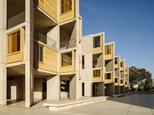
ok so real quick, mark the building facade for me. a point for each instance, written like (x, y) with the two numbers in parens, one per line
(44, 56)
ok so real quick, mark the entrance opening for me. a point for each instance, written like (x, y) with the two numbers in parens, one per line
(15, 89)
(65, 89)
(44, 88)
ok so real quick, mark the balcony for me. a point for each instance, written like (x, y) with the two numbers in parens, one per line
(98, 60)
(67, 61)
(109, 65)
(68, 35)
(108, 77)
(45, 57)
(48, 6)
(15, 45)
(97, 74)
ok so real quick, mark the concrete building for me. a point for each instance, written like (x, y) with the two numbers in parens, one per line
(92, 72)
(39, 54)
(43, 54)
(117, 75)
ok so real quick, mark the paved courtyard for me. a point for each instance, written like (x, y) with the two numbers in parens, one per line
(136, 104)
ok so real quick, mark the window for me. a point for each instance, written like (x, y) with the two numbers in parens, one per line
(108, 76)
(108, 49)
(83, 62)
(14, 42)
(40, 53)
(125, 83)
(66, 59)
(96, 41)
(66, 5)
(116, 60)
(121, 64)
(96, 73)
(116, 80)
(121, 81)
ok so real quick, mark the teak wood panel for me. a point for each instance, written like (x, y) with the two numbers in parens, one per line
(49, 6)
(109, 56)
(68, 15)
(49, 60)
(98, 78)
(16, 56)
(109, 80)
(68, 68)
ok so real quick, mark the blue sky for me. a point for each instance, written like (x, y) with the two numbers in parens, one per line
(130, 23)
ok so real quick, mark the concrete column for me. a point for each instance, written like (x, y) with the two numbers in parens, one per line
(73, 88)
(29, 11)
(101, 89)
(3, 74)
(88, 88)
(53, 88)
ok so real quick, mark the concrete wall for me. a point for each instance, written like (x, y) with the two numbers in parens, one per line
(53, 88)
(73, 88)
(15, 88)
(53, 34)
(109, 65)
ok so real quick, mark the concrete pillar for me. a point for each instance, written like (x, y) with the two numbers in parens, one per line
(88, 89)
(73, 88)
(3, 74)
(29, 11)
(53, 88)
(100, 89)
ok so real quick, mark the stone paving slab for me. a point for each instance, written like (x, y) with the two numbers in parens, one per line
(136, 104)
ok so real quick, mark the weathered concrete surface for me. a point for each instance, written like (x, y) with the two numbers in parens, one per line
(136, 104)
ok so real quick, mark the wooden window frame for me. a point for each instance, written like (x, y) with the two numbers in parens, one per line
(21, 41)
(64, 4)
(62, 59)
(94, 43)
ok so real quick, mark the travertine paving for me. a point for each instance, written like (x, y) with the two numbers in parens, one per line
(136, 104)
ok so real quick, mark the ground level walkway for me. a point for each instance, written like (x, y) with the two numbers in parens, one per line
(135, 104)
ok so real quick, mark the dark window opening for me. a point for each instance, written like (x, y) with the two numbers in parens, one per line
(96, 41)
(83, 62)
(14, 42)
(40, 53)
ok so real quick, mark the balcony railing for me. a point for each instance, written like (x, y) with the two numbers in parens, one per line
(68, 44)
(47, 40)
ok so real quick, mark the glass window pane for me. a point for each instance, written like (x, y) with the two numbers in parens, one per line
(96, 42)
